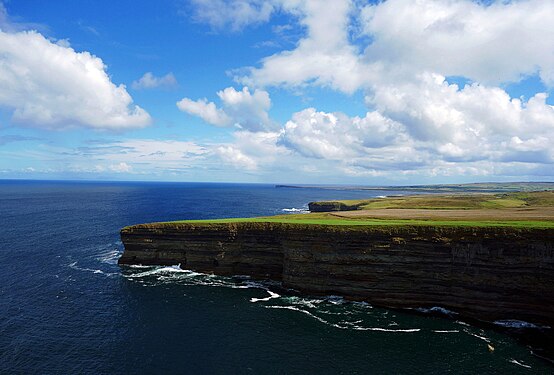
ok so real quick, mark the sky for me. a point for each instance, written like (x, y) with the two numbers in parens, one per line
(389, 92)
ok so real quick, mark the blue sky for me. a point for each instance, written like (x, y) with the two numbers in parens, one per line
(291, 91)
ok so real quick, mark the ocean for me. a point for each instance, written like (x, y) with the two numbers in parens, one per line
(66, 307)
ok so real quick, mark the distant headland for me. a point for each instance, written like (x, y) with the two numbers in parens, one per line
(479, 187)
(481, 255)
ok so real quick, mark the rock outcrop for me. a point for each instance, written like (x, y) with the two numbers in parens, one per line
(329, 206)
(487, 273)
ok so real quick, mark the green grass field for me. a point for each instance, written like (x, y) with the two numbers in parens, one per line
(452, 201)
(291, 219)
(474, 203)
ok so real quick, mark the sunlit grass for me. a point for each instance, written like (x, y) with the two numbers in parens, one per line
(373, 222)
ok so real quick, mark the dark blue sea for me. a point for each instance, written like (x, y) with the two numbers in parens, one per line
(66, 307)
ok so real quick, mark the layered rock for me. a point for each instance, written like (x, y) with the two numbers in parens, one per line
(483, 273)
(329, 206)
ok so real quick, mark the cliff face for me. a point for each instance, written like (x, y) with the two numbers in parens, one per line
(331, 206)
(484, 273)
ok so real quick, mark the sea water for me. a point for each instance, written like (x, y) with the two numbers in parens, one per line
(66, 307)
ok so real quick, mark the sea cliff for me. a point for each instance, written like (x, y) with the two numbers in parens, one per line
(486, 273)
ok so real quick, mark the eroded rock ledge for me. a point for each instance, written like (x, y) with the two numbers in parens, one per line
(484, 273)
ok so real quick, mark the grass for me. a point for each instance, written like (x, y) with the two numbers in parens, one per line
(453, 201)
(291, 219)
(505, 203)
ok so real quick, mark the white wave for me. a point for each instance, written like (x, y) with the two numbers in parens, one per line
(381, 196)
(174, 274)
(446, 331)
(272, 295)
(387, 329)
(335, 300)
(517, 324)
(255, 285)
(436, 309)
(346, 325)
(160, 271)
(354, 322)
(299, 210)
(485, 339)
(305, 302)
(362, 304)
(519, 363)
(74, 266)
(307, 313)
(110, 256)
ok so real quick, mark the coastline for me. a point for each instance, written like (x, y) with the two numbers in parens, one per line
(498, 270)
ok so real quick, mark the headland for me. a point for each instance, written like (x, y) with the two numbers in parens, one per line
(482, 256)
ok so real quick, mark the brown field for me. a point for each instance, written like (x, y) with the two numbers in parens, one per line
(527, 213)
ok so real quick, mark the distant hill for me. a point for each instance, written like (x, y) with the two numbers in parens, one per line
(484, 187)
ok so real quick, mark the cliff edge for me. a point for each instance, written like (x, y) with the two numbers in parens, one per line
(484, 272)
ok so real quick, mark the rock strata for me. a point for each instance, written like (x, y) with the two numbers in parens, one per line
(485, 273)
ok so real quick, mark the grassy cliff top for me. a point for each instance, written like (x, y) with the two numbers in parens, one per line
(517, 210)
(447, 201)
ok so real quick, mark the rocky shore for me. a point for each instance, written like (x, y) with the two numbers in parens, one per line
(485, 273)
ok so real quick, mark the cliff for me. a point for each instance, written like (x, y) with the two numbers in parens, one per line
(487, 273)
(328, 206)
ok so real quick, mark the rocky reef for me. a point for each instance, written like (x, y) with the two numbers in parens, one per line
(486, 273)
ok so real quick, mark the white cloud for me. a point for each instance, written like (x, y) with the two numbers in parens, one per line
(495, 43)
(418, 121)
(135, 156)
(474, 122)
(150, 81)
(235, 157)
(337, 136)
(243, 109)
(52, 86)
(255, 151)
(121, 168)
(207, 111)
(246, 109)
(323, 57)
(357, 145)
(232, 14)
(398, 52)
(492, 44)
(150, 151)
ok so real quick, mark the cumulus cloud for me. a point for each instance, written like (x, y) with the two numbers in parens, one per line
(323, 57)
(463, 123)
(51, 85)
(423, 127)
(398, 52)
(150, 81)
(207, 111)
(337, 136)
(418, 121)
(494, 43)
(243, 109)
(371, 144)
